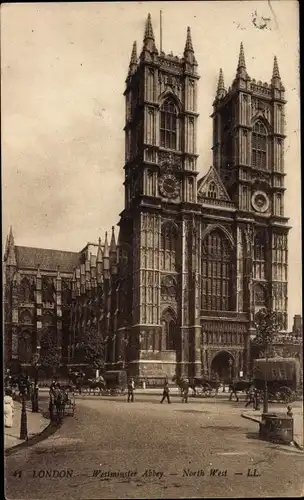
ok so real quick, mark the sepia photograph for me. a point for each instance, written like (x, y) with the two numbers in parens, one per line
(151, 228)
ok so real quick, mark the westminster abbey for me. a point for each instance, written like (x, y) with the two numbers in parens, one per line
(196, 257)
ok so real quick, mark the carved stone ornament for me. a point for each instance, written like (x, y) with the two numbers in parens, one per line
(168, 287)
(169, 186)
(169, 161)
(261, 178)
(260, 201)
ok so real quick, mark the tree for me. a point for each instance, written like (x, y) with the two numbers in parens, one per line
(92, 349)
(267, 325)
(49, 354)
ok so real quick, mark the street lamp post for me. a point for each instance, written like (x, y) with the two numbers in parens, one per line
(35, 402)
(23, 422)
(230, 369)
(265, 401)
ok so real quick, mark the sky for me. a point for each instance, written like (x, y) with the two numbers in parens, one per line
(63, 69)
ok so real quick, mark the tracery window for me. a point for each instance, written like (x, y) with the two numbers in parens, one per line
(212, 191)
(216, 272)
(168, 124)
(66, 292)
(25, 348)
(26, 291)
(259, 145)
(169, 330)
(48, 290)
(168, 247)
(259, 256)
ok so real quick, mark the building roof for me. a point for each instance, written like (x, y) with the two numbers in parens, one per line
(46, 259)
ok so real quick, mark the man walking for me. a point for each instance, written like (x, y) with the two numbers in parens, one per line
(131, 390)
(166, 391)
(185, 391)
(253, 398)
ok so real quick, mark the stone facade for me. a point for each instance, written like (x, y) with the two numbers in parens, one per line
(195, 258)
(58, 294)
(201, 256)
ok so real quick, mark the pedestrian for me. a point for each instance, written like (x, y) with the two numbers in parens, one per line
(251, 397)
(185, 391)
(8, 408)
(51, 405)
(58, 399)
(166, 392)
(131, 387)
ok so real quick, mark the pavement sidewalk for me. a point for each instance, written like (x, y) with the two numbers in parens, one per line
(297, 410)
(36, 423)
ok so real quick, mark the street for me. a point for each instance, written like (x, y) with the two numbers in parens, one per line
(115, 449)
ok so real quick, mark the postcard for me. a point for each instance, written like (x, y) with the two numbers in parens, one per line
(151, 201)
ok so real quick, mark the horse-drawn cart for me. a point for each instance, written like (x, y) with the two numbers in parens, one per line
(203, 387)
(116, 382)
(282, 376)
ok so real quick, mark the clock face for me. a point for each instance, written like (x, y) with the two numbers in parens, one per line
(168, 186)
(260, 201)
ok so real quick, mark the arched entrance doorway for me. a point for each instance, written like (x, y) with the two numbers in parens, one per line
(222, 366)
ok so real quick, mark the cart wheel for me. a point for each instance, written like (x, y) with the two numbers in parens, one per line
(285, 394)
(199, 392)
(208, 391)
(213, 392)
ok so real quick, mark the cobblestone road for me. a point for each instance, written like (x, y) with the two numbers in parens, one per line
(148, 450)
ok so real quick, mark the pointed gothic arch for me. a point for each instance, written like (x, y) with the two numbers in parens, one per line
(169, 127)
(168, 245)
(26, 290)
(259, 255)
(26, 317)
(169, 329)
(25, 347)
(218, 227)
(261, 118)
(48, 290)
(169, 94)
(259, 144)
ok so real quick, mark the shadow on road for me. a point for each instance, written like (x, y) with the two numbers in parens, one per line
(252, 435)
(193, 411)
(48, 431)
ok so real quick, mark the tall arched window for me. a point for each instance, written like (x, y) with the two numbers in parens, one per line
(216, 272)
(25, 348)
(259, 256)
(168, 124)
(212, 191)
(168, 247)
(259, 145)
(26, 292)
(48, 290)
(169, 330)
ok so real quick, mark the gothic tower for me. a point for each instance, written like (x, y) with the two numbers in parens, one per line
(158, 330)
(248, 153)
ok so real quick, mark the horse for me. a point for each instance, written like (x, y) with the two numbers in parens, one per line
(183, 383)
(237, 386)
